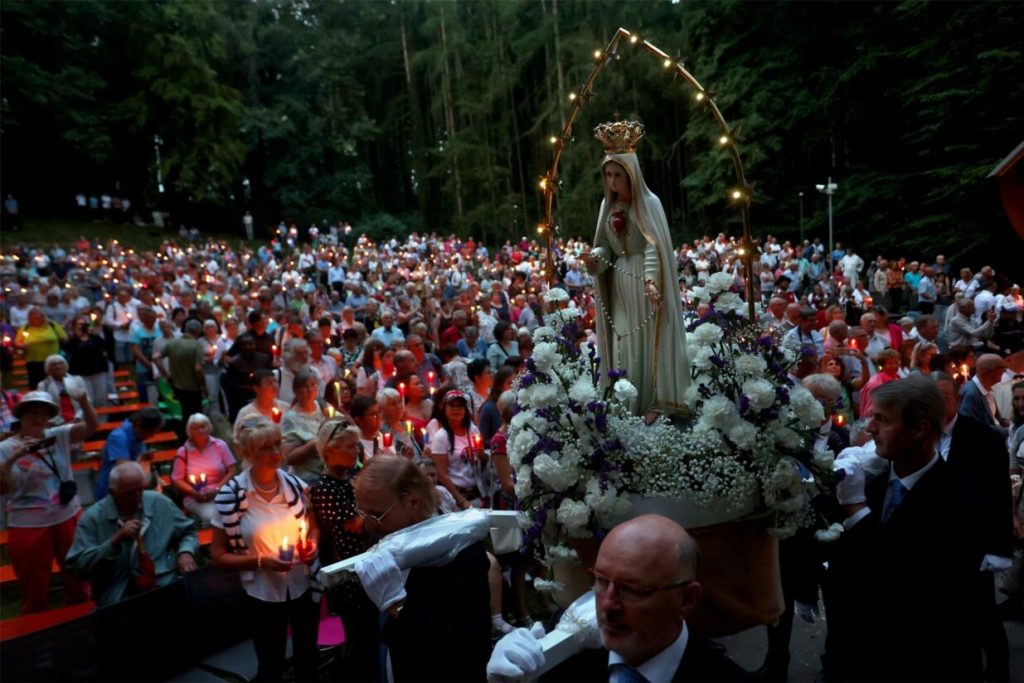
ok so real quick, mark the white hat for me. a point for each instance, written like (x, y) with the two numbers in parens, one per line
(36, 397)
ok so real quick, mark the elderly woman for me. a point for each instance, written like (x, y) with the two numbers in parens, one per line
(341, 537)
(39, 339)
(300, 425)
(42, 500)
(264, 530)
(60, 386)
(392, 414)
(367, 415)
(203, 464)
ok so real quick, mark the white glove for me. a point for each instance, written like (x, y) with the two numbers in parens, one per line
(517, 656)
(76, 393)
(849, 469)
(381, 578)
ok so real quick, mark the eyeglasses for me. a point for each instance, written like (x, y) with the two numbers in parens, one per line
(629, 593)
(377, 519)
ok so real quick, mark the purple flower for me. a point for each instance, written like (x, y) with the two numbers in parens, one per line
(616, 373)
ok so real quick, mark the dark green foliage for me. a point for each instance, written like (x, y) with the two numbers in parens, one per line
(442, 110)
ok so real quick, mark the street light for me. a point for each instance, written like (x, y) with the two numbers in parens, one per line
(157, 142)
(829, 189)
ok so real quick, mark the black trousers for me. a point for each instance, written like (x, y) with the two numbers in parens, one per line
(269, 622)
(191, 403)
(35, 372)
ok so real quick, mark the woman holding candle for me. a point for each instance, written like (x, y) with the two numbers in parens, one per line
(418, 406)
(457, 451)
(367, 415)
(266, 403)
(39, 339)
(385, 373)
(338, 395)
(264, 530)
(300, 425)
(393, 425)
(202, 465)
(341, 537)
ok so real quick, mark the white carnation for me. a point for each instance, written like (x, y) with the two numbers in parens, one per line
(748, 365)
(760, 393)
(524, 486)
(731, 303)
(573, 514)
(557, 476)
(707, 334)
(699, 294)
(522, 443)
(556, 294)
(830, 534)
(702, 357)
(545, 355)
(544, 396)
(605, 504)
(583, 390)
(807, 409)
(744, 435)
(719, 412)
(543, 334)
(719, 282)
(569, 313)
(786, 437)
(625, 391)
(561, 552)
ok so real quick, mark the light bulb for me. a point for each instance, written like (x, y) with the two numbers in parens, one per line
(736, 194)
(667, 63)
(633, 39)
(597, 54)
(724, 140)
(572, 97)
(699, 97)
(543, 183)
(553, 139)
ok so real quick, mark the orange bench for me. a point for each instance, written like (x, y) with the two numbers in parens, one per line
(30, 623)
(160, 437)
(123, 408)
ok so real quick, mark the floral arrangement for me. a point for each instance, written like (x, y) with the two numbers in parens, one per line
(581, 457)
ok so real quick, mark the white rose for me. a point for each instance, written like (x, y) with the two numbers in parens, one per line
(748, 365)
(719, 282)
(707, 334)
(556, 295)
(625, 391)
(760, 393)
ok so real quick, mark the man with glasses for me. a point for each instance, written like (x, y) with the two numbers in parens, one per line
(645, 585)
(438, 619)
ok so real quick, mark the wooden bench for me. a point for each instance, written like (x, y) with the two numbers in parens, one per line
(160, 437)
(30, 623)
(123, 408)
(93, 462)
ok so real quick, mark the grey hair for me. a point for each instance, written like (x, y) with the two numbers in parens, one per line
(507, 405)
(122, 470)
(53, 360)
(193, 326)
(689, 558)
(387, 393)
(210, 323)
(196, 420)
(826, 384)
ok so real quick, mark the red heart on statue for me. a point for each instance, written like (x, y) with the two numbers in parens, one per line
(619, 222)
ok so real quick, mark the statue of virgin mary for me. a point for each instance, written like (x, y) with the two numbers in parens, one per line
(639, 321)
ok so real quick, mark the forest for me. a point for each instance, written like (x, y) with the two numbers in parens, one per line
(437, 115)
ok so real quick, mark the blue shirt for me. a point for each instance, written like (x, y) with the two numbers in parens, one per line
(122, 444)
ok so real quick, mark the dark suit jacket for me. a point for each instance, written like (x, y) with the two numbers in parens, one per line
(980, 465)
(973, 404)
(443, 632)
(900, 597)
(701, 662)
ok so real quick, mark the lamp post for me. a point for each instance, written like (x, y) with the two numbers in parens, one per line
(157, 143)
(829, 189)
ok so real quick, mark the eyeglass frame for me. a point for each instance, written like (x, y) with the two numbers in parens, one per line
(378, 519)
(633, 593)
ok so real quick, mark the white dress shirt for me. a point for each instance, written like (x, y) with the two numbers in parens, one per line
(660, 667)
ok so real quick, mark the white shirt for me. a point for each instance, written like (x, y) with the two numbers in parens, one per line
(660, 667)
(263, 526)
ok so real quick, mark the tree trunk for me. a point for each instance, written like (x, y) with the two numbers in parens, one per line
(449, 114)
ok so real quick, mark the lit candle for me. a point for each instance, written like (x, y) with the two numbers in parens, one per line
(301, 545)
(839, 420)
(408, 427)
(286, 553)
(276, 415)
(430, 378)
(478, 442)
(401, 390)
(274, 351)
(432, 390)
(964, 370)
(331, 412)
(388, 439)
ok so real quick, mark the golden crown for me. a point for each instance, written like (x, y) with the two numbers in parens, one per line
(619, 137)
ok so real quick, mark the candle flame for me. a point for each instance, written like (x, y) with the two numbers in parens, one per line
(284, 543)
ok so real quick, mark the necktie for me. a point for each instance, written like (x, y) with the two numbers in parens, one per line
(628, 674)
(897, 492)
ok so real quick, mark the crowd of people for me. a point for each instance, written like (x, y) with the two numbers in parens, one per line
(356, 388)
